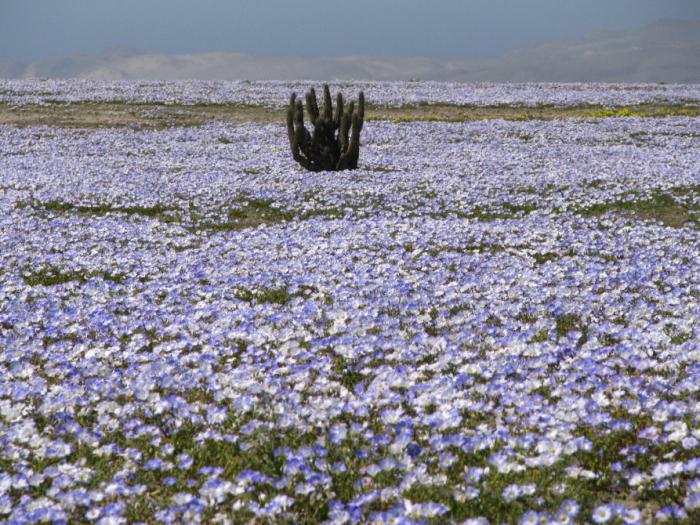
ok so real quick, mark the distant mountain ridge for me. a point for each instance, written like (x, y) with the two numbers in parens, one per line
(664, 51)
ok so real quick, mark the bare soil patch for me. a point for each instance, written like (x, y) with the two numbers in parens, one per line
(160, 116)
(118, 115)
(671, 216)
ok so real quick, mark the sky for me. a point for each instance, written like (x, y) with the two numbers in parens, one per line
(33, 30)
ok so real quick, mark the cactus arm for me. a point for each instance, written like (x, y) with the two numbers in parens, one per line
(358, 120)
(301, 134)
(327, 104)
(337, 118)
(354, 146)
(343, 133)
(300, 148)
(343, 137)
(350, 112)
(312, 105)
(361, 111)
(290, 121)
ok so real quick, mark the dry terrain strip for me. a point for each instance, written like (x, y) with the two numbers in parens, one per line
(160, 116)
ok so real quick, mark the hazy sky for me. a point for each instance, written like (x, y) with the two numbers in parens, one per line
(32, 30)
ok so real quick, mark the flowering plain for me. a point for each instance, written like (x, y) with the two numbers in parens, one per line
(490, 321)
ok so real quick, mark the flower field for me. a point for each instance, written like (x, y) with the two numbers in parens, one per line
(489, 322)
(276, 93)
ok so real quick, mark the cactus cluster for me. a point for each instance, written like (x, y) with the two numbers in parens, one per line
(335, 142)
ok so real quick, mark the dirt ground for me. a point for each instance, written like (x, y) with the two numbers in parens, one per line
(159, 116)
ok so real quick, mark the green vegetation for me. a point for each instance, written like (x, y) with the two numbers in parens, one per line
(273, 295)
(642, 111)
(346, 372)
(543, 258)
(660, 207)
(566, 323)
(266, 295)
(251, 214)
(254, 213)
(50, 276)
(620, 112)
(157, 210)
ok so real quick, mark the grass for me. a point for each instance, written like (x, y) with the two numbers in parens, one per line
(156, 211)
(51, 276)
(272, 295)
(379, 169)
(641, 111)
(660, 207)
(257, 212)
(484, 214)
(620, 112)
(254, 213)
(525, 209)
(266, 295)
(543, 258)
(566, 323)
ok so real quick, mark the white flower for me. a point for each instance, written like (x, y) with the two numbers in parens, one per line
(692, 502)
(476, 521)
(602, 514)
(690, 442)
(182, 498)
(632, 516)
(677, 430)
(637, 479)
(511, 492)
(694, 485)
(529, 518)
